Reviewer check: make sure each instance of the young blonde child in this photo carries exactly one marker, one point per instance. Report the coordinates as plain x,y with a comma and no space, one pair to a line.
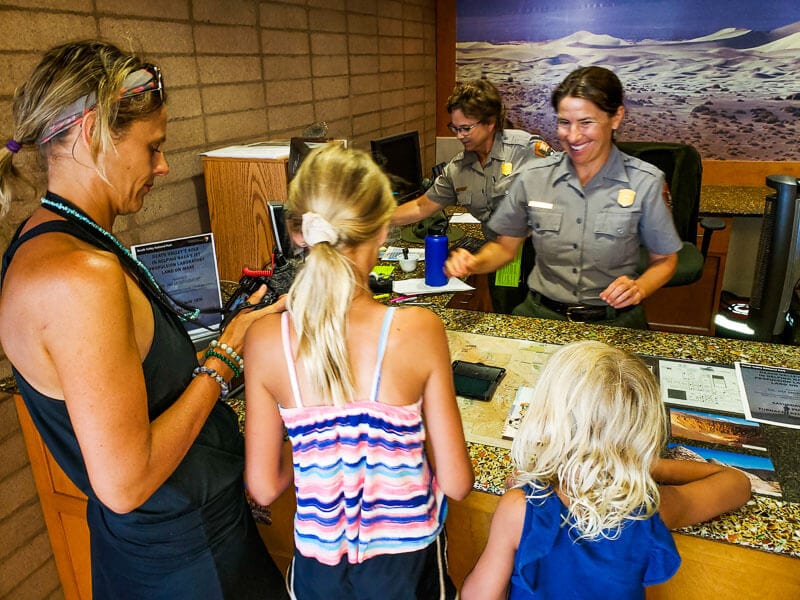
592,504
366,395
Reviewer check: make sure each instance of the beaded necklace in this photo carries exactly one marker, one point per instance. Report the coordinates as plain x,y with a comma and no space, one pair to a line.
72,213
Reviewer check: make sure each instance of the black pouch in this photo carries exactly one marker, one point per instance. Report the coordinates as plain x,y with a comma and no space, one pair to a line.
278,277
476,380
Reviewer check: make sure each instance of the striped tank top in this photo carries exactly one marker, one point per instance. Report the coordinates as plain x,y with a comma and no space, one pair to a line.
363,483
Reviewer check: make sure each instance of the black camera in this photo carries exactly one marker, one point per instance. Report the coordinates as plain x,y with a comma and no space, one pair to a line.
278,277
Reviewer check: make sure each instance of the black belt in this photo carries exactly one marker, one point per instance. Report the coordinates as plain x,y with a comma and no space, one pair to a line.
580,312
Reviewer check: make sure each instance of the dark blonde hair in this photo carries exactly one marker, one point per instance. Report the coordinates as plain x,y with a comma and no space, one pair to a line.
479,99
351,193
88,69
594,427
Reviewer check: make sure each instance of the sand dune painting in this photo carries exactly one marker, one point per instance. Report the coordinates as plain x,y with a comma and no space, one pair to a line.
721,75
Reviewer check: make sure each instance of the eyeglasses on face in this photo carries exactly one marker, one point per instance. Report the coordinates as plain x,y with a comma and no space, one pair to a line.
463,128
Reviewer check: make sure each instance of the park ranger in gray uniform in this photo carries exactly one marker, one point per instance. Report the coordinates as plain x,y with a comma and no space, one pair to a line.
587,210
481,188
478,178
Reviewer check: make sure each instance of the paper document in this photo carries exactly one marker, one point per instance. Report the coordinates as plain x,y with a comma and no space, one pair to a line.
463,217
396,253
274,150
699,385
770,394
417,286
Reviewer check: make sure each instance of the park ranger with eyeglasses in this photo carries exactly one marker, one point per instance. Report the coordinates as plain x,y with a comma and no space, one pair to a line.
479,177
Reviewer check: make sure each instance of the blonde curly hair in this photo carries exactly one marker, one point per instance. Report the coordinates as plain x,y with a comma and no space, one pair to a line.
594,427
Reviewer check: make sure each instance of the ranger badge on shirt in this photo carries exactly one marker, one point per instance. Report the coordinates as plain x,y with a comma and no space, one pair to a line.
626,197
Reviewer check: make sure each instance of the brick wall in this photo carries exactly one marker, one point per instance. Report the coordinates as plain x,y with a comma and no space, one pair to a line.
237,71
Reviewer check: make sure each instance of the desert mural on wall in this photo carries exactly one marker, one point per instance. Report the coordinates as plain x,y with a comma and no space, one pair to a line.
722,75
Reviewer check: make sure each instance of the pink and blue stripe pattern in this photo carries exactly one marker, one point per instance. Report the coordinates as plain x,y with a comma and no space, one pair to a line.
363,483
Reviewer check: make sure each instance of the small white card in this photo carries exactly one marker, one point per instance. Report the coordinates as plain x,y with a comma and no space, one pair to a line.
396,253
464,217
417,286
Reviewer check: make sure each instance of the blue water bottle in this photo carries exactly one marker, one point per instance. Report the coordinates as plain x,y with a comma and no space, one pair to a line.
435,255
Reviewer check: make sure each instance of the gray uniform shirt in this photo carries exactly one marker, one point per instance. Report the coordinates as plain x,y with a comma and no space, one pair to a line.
480,190
587,237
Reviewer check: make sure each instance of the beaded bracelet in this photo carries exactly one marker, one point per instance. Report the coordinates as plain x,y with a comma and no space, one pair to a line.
229,351
224,387
226,360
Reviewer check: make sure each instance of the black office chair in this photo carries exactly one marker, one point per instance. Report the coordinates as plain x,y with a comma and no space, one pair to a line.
683,168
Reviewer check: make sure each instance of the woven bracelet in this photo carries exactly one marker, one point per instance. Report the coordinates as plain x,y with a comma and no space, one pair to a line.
224,387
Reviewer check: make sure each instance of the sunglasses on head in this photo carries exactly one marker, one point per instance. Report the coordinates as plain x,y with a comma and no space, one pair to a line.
145,79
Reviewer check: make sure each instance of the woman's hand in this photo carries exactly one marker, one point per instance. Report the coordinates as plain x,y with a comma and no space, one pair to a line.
622,292
235,330
489,258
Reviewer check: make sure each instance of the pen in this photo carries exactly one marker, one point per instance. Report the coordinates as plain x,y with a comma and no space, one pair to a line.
404,298
381,296
417,303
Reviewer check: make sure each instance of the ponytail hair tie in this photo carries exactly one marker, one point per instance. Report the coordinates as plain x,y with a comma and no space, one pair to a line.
316,229
13,146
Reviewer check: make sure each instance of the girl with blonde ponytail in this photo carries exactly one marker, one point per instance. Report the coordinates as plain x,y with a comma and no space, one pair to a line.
364,391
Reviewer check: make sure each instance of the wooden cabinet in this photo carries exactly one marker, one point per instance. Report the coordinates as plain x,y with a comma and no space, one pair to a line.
64,509
691,308
708,569
238,190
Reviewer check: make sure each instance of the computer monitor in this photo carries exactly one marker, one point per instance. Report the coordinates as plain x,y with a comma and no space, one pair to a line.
280,230
398,155
299,148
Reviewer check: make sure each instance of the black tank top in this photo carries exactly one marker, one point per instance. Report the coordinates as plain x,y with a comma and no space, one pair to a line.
213,462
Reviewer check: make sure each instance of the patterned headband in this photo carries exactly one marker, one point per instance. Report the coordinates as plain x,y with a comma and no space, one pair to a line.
141,81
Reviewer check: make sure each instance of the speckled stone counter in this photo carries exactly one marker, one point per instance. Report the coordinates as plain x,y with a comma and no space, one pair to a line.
733,200
764,523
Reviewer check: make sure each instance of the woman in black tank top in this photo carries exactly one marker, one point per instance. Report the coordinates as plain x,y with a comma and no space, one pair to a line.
101,357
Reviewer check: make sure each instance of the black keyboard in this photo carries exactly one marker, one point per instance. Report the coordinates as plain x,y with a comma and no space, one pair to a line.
469,243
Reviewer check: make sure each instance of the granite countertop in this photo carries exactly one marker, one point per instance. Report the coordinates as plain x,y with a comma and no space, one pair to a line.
733,200
763,523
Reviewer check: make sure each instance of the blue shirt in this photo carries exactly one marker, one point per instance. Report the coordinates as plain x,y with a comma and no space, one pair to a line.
549,563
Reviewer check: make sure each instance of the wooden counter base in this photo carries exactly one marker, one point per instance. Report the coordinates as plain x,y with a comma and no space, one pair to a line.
709,569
